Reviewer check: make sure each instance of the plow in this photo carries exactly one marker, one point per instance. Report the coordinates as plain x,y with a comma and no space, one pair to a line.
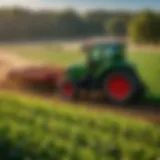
36,77
105,70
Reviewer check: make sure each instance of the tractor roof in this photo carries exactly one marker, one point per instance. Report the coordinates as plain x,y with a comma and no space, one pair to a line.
96,42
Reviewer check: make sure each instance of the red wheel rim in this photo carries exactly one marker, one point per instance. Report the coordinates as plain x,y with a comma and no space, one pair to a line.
68,89
119,87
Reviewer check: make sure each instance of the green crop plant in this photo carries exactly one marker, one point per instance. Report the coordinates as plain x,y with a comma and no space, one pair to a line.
35,129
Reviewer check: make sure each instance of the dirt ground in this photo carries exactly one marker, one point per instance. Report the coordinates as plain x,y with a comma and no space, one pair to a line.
10,61
148,111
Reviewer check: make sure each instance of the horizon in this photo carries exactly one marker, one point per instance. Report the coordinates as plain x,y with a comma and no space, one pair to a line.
83,5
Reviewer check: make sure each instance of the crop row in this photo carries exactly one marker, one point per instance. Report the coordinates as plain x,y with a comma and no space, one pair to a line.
31,130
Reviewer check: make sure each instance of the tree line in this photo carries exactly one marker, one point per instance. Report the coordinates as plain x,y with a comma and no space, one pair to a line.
23,24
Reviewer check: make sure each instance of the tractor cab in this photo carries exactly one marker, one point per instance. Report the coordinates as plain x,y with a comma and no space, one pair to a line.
104,52
111,50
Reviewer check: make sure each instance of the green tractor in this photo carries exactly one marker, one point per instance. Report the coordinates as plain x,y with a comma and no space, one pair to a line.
105,70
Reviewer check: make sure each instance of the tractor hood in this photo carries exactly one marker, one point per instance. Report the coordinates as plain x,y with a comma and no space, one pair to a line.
76,72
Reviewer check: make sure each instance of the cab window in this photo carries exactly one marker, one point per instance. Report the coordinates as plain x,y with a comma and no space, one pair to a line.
109,51
95,54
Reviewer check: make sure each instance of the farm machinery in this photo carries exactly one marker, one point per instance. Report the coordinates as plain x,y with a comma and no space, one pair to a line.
106,69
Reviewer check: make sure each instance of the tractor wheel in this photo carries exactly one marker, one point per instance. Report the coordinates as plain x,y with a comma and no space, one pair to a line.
122,87
68,90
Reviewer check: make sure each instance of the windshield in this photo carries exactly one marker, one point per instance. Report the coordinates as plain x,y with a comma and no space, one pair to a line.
110,51
95,54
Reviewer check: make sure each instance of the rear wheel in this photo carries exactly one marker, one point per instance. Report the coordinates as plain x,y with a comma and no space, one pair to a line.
121,87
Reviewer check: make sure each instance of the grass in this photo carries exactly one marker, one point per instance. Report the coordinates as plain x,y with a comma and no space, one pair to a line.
36,129
51,54
148,68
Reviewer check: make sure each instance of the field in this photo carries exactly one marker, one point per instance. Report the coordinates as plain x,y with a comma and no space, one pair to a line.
147,63
37,129
51,129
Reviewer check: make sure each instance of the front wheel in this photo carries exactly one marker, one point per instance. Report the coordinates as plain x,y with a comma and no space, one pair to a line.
68,90
121,87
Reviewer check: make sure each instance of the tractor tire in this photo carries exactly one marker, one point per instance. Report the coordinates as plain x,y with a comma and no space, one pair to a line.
68,90
122,87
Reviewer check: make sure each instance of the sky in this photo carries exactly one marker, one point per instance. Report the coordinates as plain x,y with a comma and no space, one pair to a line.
83,5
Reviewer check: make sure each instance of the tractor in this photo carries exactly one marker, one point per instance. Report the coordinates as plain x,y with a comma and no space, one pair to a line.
107,70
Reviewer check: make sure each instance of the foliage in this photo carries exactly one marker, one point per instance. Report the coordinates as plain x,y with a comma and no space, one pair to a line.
145,27
116,26
34,129
21,24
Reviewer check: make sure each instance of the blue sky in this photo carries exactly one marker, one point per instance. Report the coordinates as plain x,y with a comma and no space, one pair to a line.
85,4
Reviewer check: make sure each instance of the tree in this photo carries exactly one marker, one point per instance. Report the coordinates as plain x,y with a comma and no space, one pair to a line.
69,23
96,21
116,26
22,24
144,28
